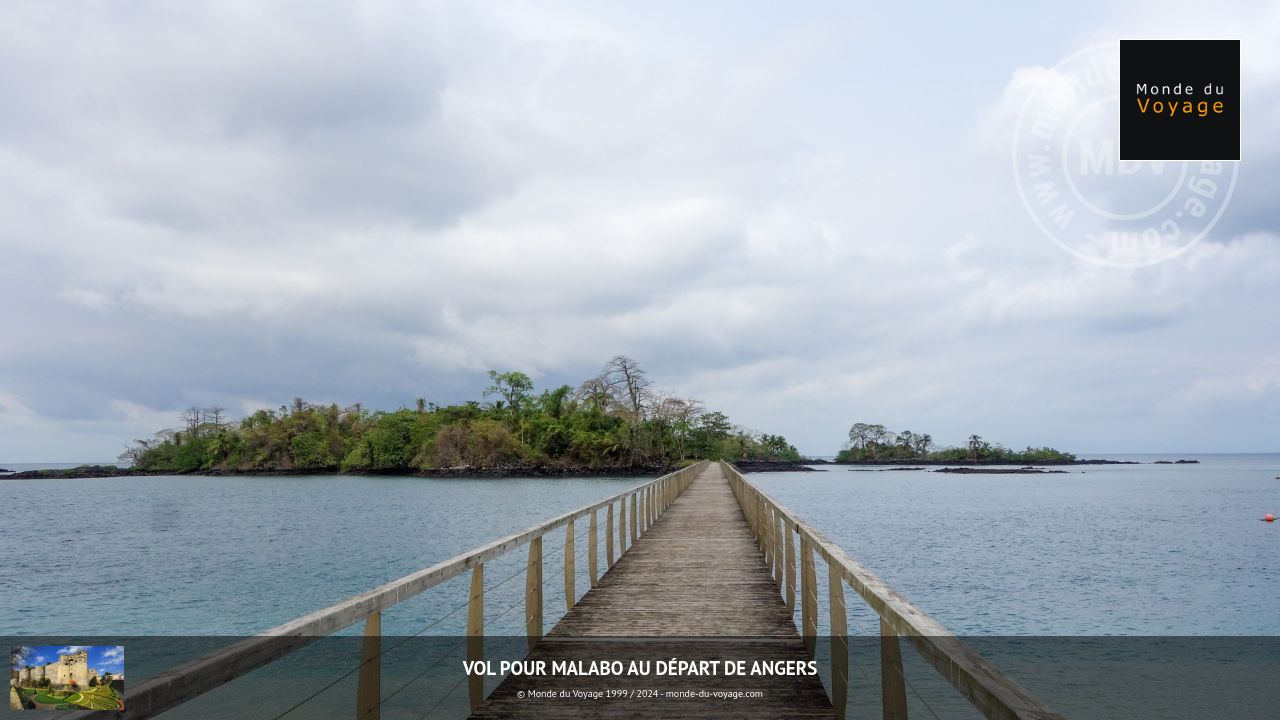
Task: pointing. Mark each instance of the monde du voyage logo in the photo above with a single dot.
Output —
(1183, 100)
(1125, 153)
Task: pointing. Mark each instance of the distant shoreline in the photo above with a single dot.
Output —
(748, 466)
(970, 463)
(949, 465)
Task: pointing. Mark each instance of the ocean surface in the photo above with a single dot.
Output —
(1064, 562)
(196, 555)
(1100, 550)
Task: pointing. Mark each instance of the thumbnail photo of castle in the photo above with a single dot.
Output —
(66, 677)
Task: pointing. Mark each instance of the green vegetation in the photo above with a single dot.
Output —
(874, 443)
(98, 698)
(614, 420)
(101, 697)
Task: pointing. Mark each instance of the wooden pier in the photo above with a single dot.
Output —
(698, 564)
(695, 586)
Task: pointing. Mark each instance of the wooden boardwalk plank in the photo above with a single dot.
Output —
(695, 586)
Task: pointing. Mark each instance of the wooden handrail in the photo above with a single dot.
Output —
(992, 692)
(172, 687)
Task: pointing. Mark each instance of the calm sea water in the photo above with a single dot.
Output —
(195, 555)
(1101, 550)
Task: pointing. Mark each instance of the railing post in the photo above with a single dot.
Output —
(570, 594)
(648, 507)
(808, 597)
(754, 515)
(608, 537)
(533, 593)
(475, 635)
(839, 643)
(791, 571)
(368, 686)
(591, 550)
(764, 527)
(635, 533)
(776, 528)
(893, 679)
(643, 498)
(622, 527)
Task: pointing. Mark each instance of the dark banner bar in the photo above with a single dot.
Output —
(427, 677)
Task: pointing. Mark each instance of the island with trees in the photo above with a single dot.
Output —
(874, 444)
(614, 422)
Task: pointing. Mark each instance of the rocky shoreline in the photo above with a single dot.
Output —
(999, 471)
(75, 473)
(750, 466)
(991, 462)
(947, 465)
(746, 466)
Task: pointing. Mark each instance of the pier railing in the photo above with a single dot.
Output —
(637, 509)
(777, 529)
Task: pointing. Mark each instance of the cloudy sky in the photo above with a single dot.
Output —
(804, 218)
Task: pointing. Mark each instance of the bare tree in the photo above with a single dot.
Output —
(215, 416)
(594, 391)
(134, 453)
(629, 380)
(680, 414)
(191, 418)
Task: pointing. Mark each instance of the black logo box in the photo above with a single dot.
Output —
(1187, 69)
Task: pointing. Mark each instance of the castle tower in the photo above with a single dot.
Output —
(78, 669)
(70, 669)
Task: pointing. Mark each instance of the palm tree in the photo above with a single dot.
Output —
(975, 444)
(922, 444)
